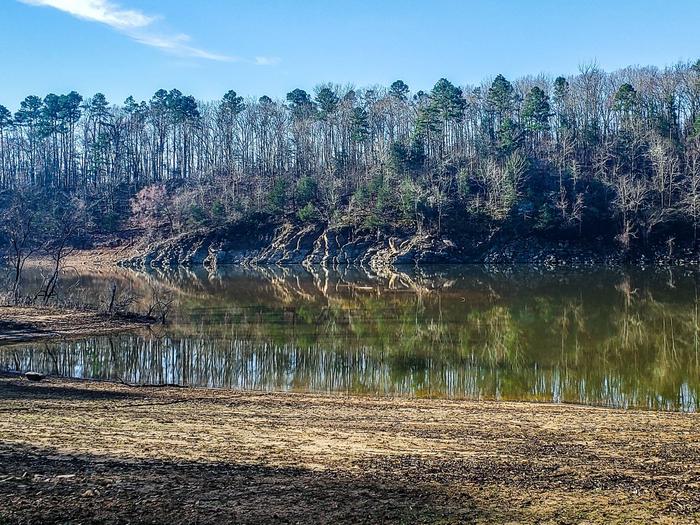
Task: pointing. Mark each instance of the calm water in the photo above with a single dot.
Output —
(622, 338)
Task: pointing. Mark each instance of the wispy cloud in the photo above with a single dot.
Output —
(267, 61)
(178, 44)
(138, 26)
(98, 11)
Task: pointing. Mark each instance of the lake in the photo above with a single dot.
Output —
(624, 337)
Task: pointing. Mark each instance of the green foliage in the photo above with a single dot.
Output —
(29, 114)
(218, 212)
(277, 199)
(448, 101)
(308, 213)
(501, 96)
(536, 110)
(398, 157)
(625, 99)
(384, 211)
(428, 120)
(561, 89)
(359, 125)
(327, 102)
(305, 190)
(464, 186)
(300, 103)
(5, 117)
(232, 104)
(509, 138)
(403, 159)
(546, 218)
(197, 215)
(97, 106)
(377, 156)
(399, 90)
(416, 154)
(696, 127)
(445, 103)
(174, 106)
(377, 203)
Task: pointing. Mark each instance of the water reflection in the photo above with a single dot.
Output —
(622, 338)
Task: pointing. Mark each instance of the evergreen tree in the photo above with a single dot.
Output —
(232, 104)
(359, 125)
(300, 103)
(624, 101)
(448, 101)
(536, 110)
(399, 90)
(327, 102)
(501, 97)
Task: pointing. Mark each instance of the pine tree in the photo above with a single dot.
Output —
(536, 110)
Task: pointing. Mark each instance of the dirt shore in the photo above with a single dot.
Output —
(28, 323)
(92, 259)
(86, 452)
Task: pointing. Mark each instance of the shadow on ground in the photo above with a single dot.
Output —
(43, 486)
(12, 332)
(13, 387)
(12, 326)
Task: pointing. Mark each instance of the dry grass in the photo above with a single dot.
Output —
(170, 455)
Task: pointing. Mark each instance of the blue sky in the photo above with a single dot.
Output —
(206, 47)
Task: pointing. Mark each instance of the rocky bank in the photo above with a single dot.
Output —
(287, 243)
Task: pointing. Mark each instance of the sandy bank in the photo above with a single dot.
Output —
(87, 452)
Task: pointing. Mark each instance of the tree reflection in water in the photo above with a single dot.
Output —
(622, 338)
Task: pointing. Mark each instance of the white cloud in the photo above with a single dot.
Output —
(177, 44)
(267, 61)
(98, 11)
(134, 23)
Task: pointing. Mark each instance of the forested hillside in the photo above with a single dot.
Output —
(614, 155)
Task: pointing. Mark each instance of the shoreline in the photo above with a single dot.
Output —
(85, 451)
(90, 259)
(288, 243)
(366, 395)
(99, 260)
(21, 324)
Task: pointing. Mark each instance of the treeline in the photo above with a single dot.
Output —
(593, 154)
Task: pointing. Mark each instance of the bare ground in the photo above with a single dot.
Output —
(27, 323)
(102, 257)
(85, 452)
(96, 259)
